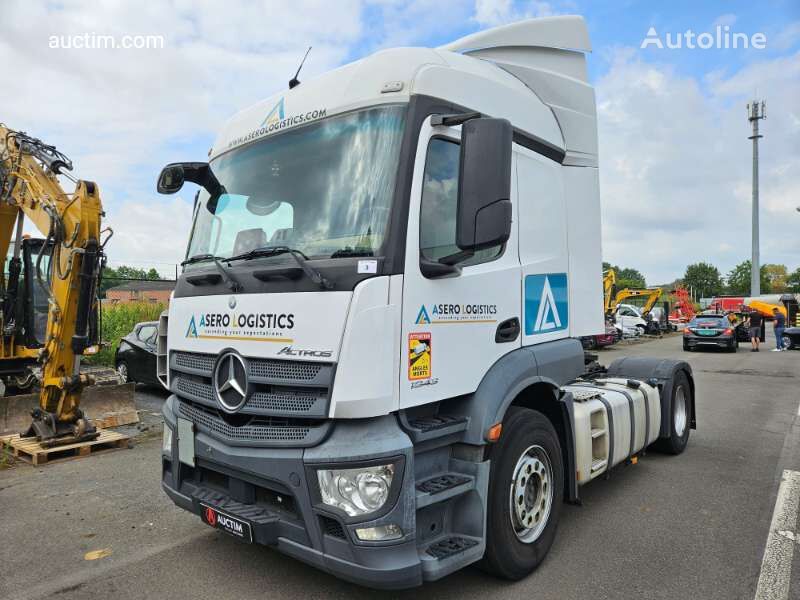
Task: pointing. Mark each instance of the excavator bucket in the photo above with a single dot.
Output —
(105, 405)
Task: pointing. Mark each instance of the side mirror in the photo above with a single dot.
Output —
(174, 175)
(171, 179)
(483, 216)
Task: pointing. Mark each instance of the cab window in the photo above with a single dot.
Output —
(437, 234)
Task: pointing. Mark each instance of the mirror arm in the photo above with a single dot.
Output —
(454, 119)
(432, 269)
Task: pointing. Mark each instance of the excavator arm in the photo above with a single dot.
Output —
(609, 285)
(71, 222)
(651, 296)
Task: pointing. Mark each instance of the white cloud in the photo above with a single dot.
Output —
(122, 114)
(499, 12)
(727, 19)
(676, 165)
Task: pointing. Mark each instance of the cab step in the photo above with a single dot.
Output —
(434, 427)
(448, 554)
(436, 422)
(450, 546)
(443, 487)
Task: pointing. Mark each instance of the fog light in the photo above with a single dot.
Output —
(166, 440)
(356, 491)
(381, 533)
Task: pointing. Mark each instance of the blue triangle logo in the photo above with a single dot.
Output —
(192, 330)
(422, 316)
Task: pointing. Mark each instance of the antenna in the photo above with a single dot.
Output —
(294, 81)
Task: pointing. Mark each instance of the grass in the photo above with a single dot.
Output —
(6, 457)
(118, 321)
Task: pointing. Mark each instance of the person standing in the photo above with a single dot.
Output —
(780, 325)
(754, 322)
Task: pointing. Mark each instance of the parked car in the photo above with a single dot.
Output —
(628, 316)
(710, 330)
(791, 338)
(135, 359)
(611, 336)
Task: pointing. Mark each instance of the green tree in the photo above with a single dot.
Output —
(626, 277)
(123, 273)
(704, 278)
(777, 275)
(793, 281)
(739, 279)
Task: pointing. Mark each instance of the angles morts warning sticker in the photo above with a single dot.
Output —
(419, 355)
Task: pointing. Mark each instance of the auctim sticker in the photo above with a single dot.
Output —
(419, 356)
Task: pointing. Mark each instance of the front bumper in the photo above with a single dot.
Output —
(269, 488)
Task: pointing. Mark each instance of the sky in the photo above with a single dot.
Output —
(675, 161)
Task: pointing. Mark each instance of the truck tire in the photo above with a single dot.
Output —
(680, 416)
(522, 516)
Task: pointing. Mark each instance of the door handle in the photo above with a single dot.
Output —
(507, 331)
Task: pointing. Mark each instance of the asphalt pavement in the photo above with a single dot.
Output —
(692, 526)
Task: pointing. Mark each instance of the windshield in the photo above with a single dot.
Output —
(710, 321)
(324, 189)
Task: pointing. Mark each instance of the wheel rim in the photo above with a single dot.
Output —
(531, 494)
(122, 371)
(680, 411)
(787, 343)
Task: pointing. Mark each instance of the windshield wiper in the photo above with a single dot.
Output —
(198, 258)
(298, 256)
(233, 283)
(351, 252)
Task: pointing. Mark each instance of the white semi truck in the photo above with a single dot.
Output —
(373, 348)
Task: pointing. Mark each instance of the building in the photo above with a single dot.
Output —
(156, 291)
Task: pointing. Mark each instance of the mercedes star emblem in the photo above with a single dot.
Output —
(232, 302)
(230, 381)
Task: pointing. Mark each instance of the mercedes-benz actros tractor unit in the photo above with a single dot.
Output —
(373, 349)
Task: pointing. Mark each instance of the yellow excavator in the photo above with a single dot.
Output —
(49, 309)
(612, 297)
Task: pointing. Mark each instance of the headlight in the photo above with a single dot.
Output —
(166, 440)
(356, 491)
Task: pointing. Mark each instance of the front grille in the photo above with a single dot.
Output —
(266, 369)
(196, 362)
(187, 385)
(290, 401)
(270, 431)
(284, 369)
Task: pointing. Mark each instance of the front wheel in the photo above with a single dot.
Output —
(787, 342)
(526, 490)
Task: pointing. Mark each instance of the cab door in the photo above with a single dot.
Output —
(454, 327)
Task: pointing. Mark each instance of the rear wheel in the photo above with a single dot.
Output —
(526, 490)
(787, 342)
(680, 415)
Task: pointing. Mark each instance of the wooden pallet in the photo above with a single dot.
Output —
(29, 450)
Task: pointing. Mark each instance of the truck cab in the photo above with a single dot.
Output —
(387, 277)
